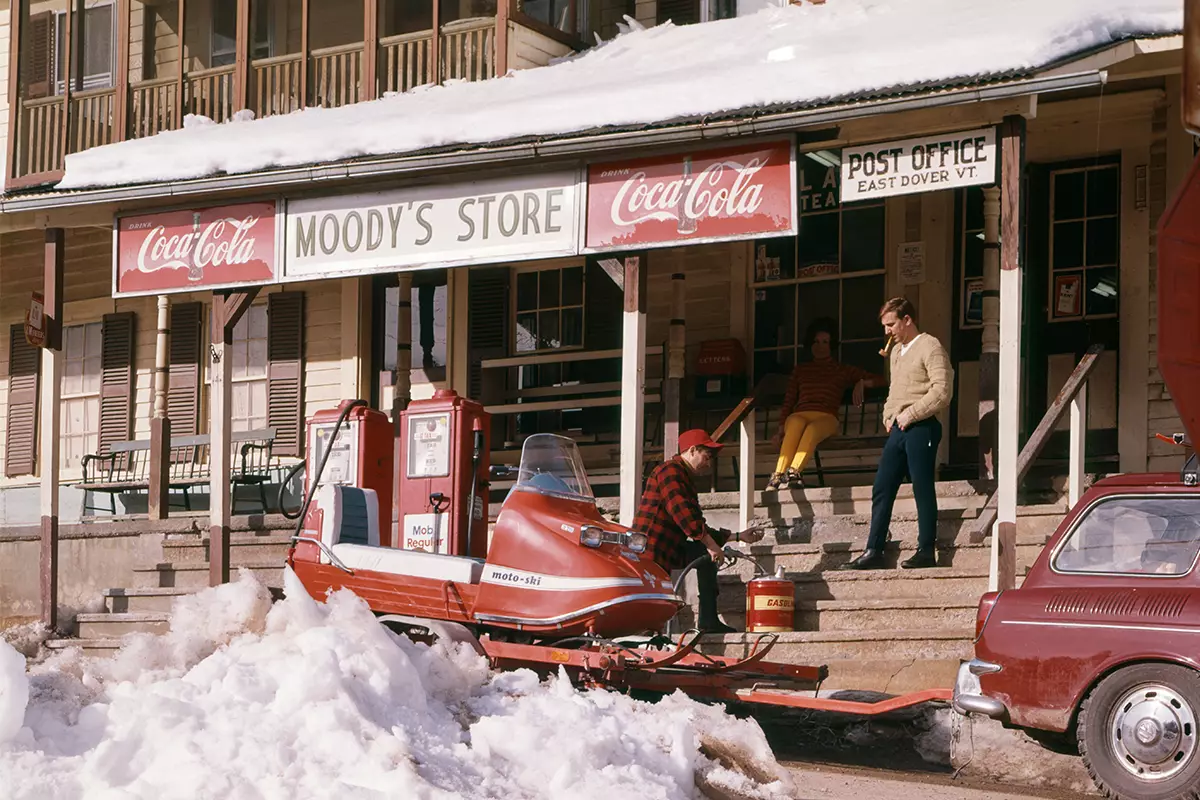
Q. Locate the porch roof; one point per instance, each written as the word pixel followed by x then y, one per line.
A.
pixel 860 53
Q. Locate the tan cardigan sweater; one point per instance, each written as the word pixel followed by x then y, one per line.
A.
pixel 922 380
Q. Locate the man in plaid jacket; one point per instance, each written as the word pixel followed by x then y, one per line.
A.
pixel 669 514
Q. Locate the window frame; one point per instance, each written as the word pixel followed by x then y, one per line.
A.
pixel 1086 514
pixel 66 397
pixel 1082 270
pixel 515 313
pixel 99 80
pixel 267 44
pixel 264 379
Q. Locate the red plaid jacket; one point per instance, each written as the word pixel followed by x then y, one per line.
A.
pixel 669 514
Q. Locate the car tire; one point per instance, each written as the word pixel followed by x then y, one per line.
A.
pixel 1138 736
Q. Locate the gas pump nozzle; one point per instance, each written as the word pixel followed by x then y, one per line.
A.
pixel 476 458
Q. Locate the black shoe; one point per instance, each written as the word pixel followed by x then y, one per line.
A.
pixel 715 626
pixel 921 560
pixel 870 559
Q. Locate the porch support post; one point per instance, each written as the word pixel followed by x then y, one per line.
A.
pixel 370 49
pixel 633 387
pixel 228 307
pixel 746 448
pixel 121 100
pixel 52 294
pixel 1003 573
pixel 241 58
pixel 1075 471
pixel 989 358
pixel 401 382
pixel 504 11
pixel 160 424
pixel 676 359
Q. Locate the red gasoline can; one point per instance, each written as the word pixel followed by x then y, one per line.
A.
pixel 770 604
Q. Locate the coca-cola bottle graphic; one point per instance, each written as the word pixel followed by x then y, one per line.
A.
pixel 195 272
pixel 687 224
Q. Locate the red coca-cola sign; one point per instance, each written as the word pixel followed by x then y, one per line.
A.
pixel 208 248
pixel 713 195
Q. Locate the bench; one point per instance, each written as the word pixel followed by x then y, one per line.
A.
pixel 126 467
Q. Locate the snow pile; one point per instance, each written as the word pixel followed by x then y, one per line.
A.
pixel 797 54
pixel 304 700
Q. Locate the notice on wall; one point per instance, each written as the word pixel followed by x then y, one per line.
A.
pixel 912 263
pixel 474 222
pixel 927 164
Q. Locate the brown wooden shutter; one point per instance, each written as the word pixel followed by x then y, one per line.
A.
pixel 116 379
pixel 38 51
pixel 285 372
pixel 20 435
pixel 681 12
pixel 183 393
pixel 487 329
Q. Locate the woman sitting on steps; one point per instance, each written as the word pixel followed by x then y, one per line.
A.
pixel 809 414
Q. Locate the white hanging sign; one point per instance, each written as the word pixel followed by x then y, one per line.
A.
pixel 927 164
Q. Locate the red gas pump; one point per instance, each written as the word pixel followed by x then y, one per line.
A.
pixel 361 455
pixel 443 475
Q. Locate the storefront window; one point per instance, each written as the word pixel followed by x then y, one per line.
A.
pixel 549 309
pixel 1085 235
pixel 971 247
pixel 834 268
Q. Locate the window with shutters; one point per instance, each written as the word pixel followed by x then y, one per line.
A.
pixel 97 48
pixel 250 370
pixel 20 432
pixel 80 409
pixel 549 306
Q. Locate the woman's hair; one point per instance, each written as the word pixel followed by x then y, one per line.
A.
pixel 822 325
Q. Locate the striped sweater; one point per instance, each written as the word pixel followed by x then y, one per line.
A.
pixel 819 385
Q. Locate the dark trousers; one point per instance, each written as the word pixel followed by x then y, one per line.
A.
pixel 706 578
pixel 909 453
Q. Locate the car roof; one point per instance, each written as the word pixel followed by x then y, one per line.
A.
pixel 1150 480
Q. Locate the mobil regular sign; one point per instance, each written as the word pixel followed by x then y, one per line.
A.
pixel 927 164
pixel 713 195
pixel 206 248
pixel 475 222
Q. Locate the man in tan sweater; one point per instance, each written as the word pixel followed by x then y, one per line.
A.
pixel 921 385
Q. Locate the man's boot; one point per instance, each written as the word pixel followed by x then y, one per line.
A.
pixel 709 622
pixel 870 559
pixel 922 559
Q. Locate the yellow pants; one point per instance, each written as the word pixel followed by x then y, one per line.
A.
pixel 802 432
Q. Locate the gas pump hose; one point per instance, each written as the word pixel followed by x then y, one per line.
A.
pixel 283 484
pixel 315 480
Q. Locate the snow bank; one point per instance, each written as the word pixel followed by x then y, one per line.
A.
pixel 789 55
pixel 303 699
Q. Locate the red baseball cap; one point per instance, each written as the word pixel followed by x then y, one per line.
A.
pixel 696 437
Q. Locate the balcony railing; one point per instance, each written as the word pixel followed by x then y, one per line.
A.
pixel 332 77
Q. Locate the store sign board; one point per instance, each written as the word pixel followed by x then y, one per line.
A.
pixel 475 222
pixel 927 164
pixel 732 193
pixel 183 251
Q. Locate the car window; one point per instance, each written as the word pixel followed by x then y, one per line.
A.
pixel 1147 536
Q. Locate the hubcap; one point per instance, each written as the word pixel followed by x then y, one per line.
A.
pixel 1153 732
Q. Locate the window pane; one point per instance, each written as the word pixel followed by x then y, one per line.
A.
pixel 1103 241
pixel 973 255
pixel 429 316
pixel 572 327
pixel 548 296
pixel 774 259
pixel 864 355
pixel 819 189
pixel 861 299
pixel 1102 294
pixel 1103 191
pixel 256 361
pixel 548 329
pixel 818 244
pixel 767 362
pixel 1068 195
pixel 572 286
pixel 1068 245
pixel 93 340
pixel 819 299
pixel 974 213
pixel 775 316
pixel 862 239
pixel 258 321
pixel 1159 536
pixel 526 332
pixel 527 291
pixel 98 45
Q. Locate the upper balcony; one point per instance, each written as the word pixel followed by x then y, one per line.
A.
pixel 85 74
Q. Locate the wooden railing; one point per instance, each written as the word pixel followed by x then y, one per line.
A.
pixel 337 75
pixel 275 85
pixel 209 93
pixel 404 61
pixel 468 49
pixel 91 118
pixel 40 148
pixel 152 106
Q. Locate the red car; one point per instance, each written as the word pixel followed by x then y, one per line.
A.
pixel 1099 648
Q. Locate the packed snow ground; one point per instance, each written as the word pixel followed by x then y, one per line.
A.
pixel 796 54
pixel 245 699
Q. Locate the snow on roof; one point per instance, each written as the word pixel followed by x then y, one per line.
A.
pixel 243 698
pixel 781 56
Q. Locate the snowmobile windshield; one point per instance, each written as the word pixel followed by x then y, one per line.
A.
pixel 552 465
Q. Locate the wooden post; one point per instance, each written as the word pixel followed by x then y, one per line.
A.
pixel 180 100
pixel 370 85
pixel 1075 473
pixel 65 132
pixel 241 59
pixel 160 424
pixel 633 387
pixel 676 366
pixel 52 295
pixel 435 46
pixel 989 358
pixel 401 382
pixel 14 86
pixel 746 448
pixel 1003 574
pixel 228 307
pixel 304 52
pixel 121 82
pixel 503 12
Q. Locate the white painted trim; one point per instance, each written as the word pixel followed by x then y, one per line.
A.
pixel 633 410
pixel 746 452
pixel 1008 413
pixel 220 398
pixel 49 429
pixel 1099 625
pixel 1076 469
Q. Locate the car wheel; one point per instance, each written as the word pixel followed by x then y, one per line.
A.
pixel 1138 735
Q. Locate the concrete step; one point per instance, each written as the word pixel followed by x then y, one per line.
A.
pixel 867 646
pixel 885 614
pixel 98 647
pixel 142 600
pixel 892 675
pixel 243 548
pixel 941 583
pixel 114 626
pixel 953 524
pixel 194 575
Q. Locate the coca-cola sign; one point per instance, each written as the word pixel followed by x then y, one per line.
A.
pixel 713 195
pixel 209 248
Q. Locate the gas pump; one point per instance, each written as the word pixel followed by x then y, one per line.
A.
pixel 444 454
